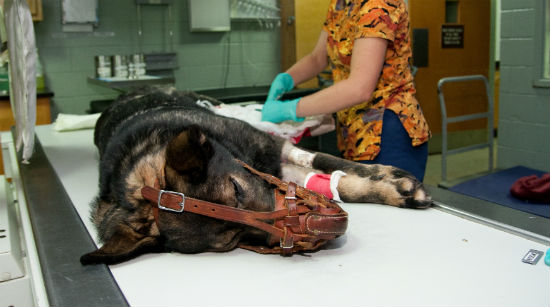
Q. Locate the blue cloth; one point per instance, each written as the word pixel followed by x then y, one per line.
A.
pixel 396 148
pixel 495 188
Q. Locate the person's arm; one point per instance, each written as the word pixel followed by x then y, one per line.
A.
pixel 305 69
pixel 367 61
pixel 313 63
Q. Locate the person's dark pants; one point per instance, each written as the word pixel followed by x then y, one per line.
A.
pixel 396 148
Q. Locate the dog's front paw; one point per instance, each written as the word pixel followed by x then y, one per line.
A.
pixel 416 197
pixel 383 185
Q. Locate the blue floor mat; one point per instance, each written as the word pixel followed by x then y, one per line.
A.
pixel 495 188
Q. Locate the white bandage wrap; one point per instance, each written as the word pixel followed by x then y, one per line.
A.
pixel 334 179
pixel 297 156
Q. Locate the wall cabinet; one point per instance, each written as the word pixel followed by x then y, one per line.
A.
pixel 36 9
pixel 301 24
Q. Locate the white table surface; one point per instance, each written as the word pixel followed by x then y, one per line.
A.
pixel 388 257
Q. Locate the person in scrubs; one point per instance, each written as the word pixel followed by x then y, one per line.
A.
pixel 379 120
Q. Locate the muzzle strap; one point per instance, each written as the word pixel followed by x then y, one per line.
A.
pixel 290 220
pixel 177 202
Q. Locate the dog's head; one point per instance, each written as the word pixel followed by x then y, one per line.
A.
pixel 197 166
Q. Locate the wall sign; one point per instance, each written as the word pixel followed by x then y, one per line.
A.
pixel 452 36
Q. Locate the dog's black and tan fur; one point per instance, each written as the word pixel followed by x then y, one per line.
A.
pixel 162 138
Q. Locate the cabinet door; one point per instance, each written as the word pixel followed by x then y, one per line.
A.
pixel 301 24
pixel 36 9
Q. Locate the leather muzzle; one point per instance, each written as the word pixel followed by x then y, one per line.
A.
pixel 302 220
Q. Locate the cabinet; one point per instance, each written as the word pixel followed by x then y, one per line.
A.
pixel 301 24
pixel 36 9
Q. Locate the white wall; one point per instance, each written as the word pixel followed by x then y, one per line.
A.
pixel 524 109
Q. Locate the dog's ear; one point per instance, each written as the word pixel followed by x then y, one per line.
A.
pixel 189 152
pixel 124 245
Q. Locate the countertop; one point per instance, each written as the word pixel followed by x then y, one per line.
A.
pixel 40 93
pixel 252 93
pixel 225 95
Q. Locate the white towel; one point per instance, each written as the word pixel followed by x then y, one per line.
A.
pixel 68 122
pixel 291 130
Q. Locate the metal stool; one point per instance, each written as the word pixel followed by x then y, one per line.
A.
pixel 447 120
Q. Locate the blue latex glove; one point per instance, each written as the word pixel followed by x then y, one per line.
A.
pixel 282 83
pixel 277 111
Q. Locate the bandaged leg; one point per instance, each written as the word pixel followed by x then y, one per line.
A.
pixel 294 173
pixel 326 184
pixel 294 155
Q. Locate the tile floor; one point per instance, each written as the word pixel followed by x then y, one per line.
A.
pixel 459 166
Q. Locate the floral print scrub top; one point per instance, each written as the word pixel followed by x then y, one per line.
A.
pixel 359 127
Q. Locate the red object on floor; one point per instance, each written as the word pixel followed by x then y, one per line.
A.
pixel 532 188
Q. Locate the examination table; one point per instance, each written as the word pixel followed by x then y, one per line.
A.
pixel 461 252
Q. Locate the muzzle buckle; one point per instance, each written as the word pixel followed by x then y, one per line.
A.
pixel 287 242
pixel 181 204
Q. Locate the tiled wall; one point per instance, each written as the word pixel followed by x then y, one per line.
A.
pixel 248 55
pixel 524 115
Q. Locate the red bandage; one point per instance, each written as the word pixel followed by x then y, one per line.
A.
pixel 320 183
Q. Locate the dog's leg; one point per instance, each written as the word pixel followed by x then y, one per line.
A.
pixel 313 179
pixel 363 182
pixel 294 155
pixel 298 169
pixel 295 173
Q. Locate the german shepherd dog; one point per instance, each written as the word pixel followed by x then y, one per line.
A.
pixel 161 137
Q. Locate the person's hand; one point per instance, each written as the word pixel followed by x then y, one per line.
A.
pixel 277 111
pixel 282 83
